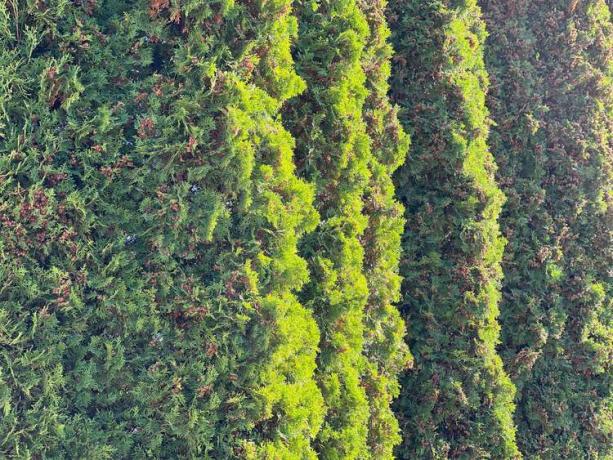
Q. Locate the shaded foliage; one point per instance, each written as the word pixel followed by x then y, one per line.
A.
pixel 551 101
pixel 457 401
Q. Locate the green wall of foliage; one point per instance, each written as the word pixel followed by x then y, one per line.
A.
pixel 384 346
pixel 457 401
pixel 215 241
pixel 551 100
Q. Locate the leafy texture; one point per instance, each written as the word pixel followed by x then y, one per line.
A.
pixel 551 100
pixel 457 401
pixel 349 142
pixel 207 208
pixel 333 151
pixel 149 218
pixel 385 348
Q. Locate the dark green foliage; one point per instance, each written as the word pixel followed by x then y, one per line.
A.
pixel 384 345
pixel 149 217
pixel 174 283
pixel 551 100
pixel 457 402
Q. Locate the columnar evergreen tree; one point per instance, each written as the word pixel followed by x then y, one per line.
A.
pixel 457 401
pixel 333 152
pixel 385 348
pixel 552 102
pixel 149 219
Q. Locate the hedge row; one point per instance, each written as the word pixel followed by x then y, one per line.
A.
pixel 144 158
pixel 457 401
pixel 552 101
pixel 385 349
pixel 207 209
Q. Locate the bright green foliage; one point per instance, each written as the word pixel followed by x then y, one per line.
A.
pixel 552 101
pixel 333 152
pixel 149 218
pixel 384 345
pixel 349 142
pixel 457 402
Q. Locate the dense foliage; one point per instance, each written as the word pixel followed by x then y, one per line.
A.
pixel 457 401
pixel 150 216
pixel 384 345
pixel 552 102
pixel 348 142
pixel 216 243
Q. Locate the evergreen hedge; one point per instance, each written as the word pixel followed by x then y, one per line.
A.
pixel 552 103
pixel 207 208
pixel 150 215
pixel 333 152
pixel 457 401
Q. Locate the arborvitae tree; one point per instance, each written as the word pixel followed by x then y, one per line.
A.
pixel 457 402
pixel 384 345
pixel 149 217
pixel 333 152
pixel 552 103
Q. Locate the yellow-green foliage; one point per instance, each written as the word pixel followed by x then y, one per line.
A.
pixel 384 346
pixel 333 151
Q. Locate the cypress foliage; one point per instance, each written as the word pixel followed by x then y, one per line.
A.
pixel 457 402
pixel 385 348
pixel 47 240
pixel 149 218
pixel 333 152
pixel 552 102
pixel 349 144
